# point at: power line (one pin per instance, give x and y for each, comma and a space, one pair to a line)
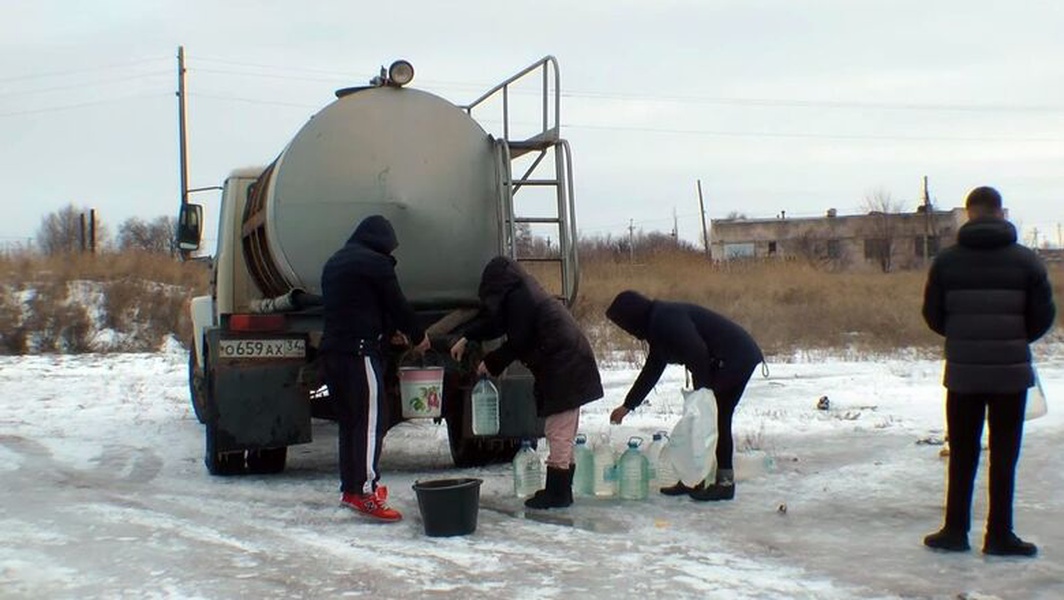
87, 84
82, 104
83, 69
267, 75
800, 103
693, 99
253, 100
805, 135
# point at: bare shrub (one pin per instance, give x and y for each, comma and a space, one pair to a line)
121, 298
155, 237
74, 329
12, 331
144, 298
70, 230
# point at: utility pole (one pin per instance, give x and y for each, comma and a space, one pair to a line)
1060, 241
92, 231
181, 132
631, 240
928, 223
675, 227
1034, 238
702, 209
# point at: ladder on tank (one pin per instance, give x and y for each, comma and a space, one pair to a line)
548, 166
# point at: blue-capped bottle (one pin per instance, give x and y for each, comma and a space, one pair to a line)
584, 460
633, 472
485, 401
528, 471
661, 472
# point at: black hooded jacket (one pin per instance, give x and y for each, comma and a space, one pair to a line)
540, 332
718, 352
360, 292
990, 298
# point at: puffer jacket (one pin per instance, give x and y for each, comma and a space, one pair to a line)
540, 332
718, 352
361, 297
990, 297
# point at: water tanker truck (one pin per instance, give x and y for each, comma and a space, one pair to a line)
449, 187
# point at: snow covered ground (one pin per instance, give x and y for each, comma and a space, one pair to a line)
104, 495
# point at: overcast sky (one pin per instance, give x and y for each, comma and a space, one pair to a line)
776, 105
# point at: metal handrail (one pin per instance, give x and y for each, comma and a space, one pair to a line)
549, 64
574, 259
507, 228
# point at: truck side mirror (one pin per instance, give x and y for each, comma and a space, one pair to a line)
189, 227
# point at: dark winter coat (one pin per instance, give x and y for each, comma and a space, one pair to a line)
990, 298
540, 332
718, 352
361, 296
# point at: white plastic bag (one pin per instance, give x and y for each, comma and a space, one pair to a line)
1036, 400
692, 446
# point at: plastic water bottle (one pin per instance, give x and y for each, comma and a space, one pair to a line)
661, 471
584, 477
605, 468
528, 471
664, 473
485, 408
634, 472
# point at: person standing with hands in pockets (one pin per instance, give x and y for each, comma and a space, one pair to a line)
363, 305
990, 298
541, 333
719, 354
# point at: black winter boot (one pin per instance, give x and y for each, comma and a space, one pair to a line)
949, 540
557, 494
723, 489
1007, 544
680, 489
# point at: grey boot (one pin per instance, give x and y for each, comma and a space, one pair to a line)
557, 494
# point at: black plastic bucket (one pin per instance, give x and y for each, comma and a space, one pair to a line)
449, 506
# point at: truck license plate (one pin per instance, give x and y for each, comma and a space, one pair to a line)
290, 348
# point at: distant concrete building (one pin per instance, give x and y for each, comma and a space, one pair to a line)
887, 240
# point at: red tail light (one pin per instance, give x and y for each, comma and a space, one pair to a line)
256, 323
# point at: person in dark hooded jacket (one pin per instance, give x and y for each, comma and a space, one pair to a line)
719, 354
990, 297
541, 333
363, 306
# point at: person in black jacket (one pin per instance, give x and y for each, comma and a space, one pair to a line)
541, 333
363, 304
990, 298
719, 354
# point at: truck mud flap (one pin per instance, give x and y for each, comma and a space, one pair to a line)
257, 404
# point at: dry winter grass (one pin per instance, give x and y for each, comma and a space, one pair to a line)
787, 306
56, 303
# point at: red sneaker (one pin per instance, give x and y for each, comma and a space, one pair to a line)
372, 505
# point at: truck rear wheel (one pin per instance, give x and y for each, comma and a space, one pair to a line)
197, 385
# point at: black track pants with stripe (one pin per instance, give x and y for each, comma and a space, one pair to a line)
356, 388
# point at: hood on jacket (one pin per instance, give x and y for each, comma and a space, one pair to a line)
500, 276
376, 233
631, 312
986, 233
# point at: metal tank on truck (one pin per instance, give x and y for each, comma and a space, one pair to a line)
447, 185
